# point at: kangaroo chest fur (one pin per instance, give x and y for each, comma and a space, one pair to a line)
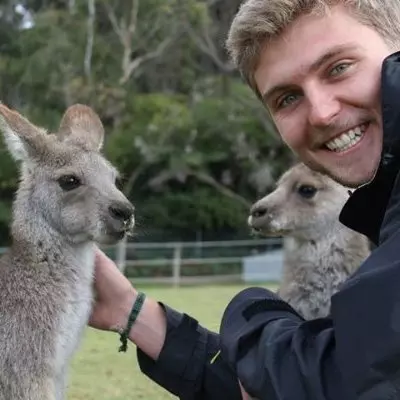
74, 315
46, 302
313, 272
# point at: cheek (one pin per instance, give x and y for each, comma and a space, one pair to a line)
73, 223
371, 91
292, 129
364, 90
79, 206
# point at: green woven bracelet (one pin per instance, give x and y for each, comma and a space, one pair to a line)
137, 306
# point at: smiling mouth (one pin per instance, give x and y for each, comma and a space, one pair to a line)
347, 140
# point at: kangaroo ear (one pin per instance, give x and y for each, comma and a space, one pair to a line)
23, 139
82, 126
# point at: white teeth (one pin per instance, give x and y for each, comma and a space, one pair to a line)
346, 140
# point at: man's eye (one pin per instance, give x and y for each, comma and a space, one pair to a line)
339, 69
287, 100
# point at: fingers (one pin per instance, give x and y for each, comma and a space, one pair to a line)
104, 266
109, 281
245, 396
101, 259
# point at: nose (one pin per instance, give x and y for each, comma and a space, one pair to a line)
122, 211
324, 107
258, 211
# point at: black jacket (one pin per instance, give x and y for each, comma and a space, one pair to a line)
352, 354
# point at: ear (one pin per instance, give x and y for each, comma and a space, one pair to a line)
23, 139
82, 126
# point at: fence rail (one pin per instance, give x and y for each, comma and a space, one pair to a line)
172, 257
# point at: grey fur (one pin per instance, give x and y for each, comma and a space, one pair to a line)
46, 277
320, 252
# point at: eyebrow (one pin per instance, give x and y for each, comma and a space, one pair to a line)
333, 52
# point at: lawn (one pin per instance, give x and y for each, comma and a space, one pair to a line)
99, 372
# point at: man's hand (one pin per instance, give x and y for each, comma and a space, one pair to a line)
114, 295
245, 396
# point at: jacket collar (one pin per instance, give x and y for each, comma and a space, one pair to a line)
365, 209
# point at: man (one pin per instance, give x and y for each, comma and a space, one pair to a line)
329, 75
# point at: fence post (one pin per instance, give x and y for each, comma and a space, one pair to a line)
176, 265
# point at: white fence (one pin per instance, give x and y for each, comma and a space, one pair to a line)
174, 255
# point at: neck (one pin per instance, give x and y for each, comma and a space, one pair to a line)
337, 249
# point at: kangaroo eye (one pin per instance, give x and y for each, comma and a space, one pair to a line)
69, 182
307, 191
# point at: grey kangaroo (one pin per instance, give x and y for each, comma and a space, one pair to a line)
320, 253
67, 203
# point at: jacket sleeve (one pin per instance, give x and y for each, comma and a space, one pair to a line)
187, 366
276, 353
352, 354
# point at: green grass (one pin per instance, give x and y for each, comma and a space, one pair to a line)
99, 372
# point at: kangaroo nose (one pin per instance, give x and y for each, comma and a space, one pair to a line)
258, 211
121, 211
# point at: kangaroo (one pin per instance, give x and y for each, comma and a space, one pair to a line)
320, 252
67, 202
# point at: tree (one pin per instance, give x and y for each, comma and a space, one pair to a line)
194, 145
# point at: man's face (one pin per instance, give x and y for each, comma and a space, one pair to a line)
321, 82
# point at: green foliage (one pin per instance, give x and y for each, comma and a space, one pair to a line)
190, 139
198, 208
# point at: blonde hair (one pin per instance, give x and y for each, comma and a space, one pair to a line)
258, 21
